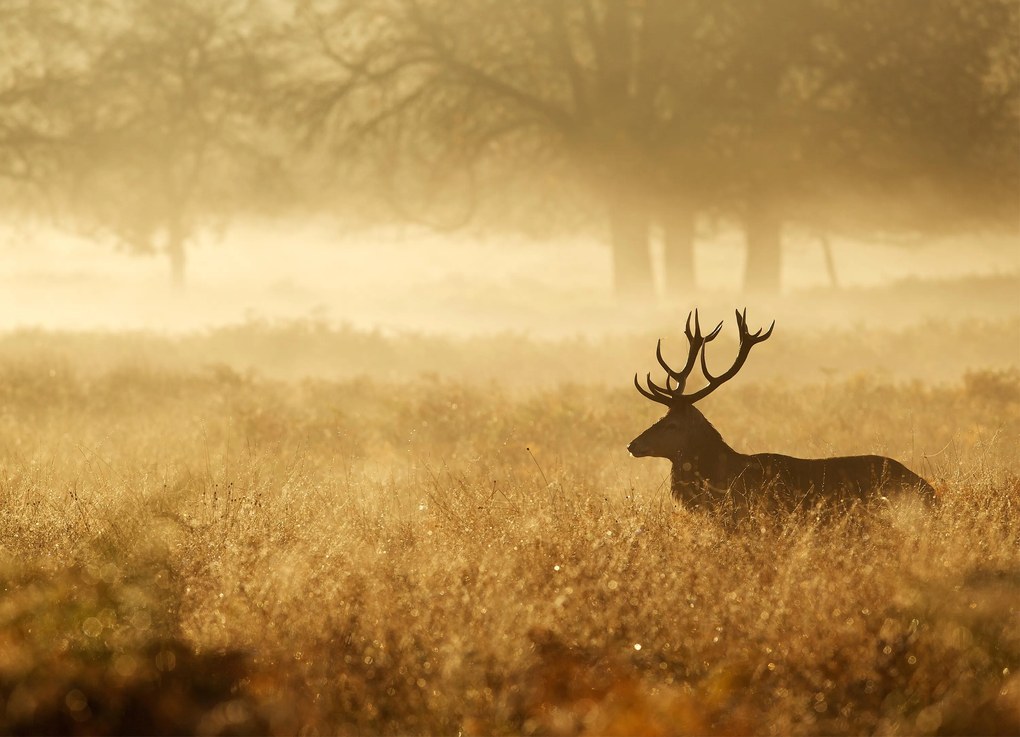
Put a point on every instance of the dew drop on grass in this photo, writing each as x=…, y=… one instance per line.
x=166, y=661
x=141, y=620
x=76, y=700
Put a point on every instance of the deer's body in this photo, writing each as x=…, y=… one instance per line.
x=709, y=473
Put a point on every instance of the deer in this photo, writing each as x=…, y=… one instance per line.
x=709, y=474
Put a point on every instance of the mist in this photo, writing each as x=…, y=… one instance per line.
x=409, y=279
x=554, y=169
x=564, y=367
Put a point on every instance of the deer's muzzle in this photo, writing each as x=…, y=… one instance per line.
x=638, y=448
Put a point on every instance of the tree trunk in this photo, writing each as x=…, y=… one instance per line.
x=678, y=251
x=764, y=249
x=830, y=263
x=632, y=259
x=176, y=253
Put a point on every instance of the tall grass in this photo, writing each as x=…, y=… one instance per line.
x=187, y=549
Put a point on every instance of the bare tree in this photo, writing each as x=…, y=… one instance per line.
x=649, y=113
x=170, y=142
x=866, y=116
x=448, y=95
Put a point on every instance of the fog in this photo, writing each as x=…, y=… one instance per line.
x=399, y=280
x=567, y=168
x=322, y=330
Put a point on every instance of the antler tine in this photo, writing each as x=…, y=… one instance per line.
x=661, y=360
x=747, y=341
x=704, y=369
x=697, y=329
x=696, y=342
x=704, y=365
x=696, y=335
x=664, y=391
x=745, y=333
x=654, y=394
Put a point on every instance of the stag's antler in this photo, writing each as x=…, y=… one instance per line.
x=697, y=343
x=671, y=396
x=747, y=341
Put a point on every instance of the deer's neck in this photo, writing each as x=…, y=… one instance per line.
x=706, y=458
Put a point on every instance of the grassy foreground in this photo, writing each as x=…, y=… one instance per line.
x=198, y=550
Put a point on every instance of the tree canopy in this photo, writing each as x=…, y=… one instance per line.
x=149, y=119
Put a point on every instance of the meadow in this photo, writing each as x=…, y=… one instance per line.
x=299, y=529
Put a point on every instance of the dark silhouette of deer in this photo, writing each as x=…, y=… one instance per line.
x=709, y=473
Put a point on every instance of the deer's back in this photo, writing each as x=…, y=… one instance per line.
x=846, y=478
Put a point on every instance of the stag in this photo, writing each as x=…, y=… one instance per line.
x=708, y=473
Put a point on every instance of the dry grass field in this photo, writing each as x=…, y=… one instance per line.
x=195, y=547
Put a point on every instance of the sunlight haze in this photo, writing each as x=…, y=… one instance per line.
x=510, y=367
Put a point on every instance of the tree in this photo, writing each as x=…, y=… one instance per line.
x=451, y=94
x=170, y=140
x=866, y=116
x=655, y=111
x=43, y=90
x=941, y=112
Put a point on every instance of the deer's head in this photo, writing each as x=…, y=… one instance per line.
x=683, y=429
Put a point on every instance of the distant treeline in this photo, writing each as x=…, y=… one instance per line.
x=150, y=121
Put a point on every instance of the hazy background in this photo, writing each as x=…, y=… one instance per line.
x=340, y=303
x=549, y=168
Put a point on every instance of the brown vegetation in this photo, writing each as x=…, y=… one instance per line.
x=188, y=549
x=923, y=350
